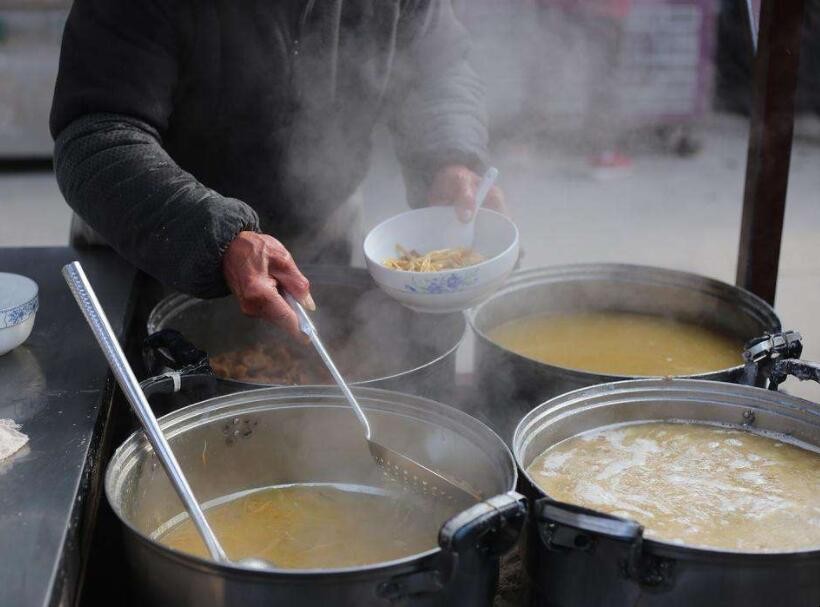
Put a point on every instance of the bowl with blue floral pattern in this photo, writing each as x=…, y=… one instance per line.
x=433, y=229
x=18, y=307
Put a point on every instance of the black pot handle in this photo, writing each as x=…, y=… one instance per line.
x=774, y=357
x=487, y=529
x=566, y=527
x=178, y=365
x=559, y=524
x=490, y=528
x=168, y=349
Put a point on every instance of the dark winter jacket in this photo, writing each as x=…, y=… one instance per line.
x=179, y=123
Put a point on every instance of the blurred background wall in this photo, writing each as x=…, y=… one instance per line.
x=665, y=83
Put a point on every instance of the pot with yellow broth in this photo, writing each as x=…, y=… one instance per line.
x=555, y=329
x=285, y=475
x=619, y=343
x=672, y=493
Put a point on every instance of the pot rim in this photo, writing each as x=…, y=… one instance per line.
x=179, y=301
x=622, y=391
x=622, y=273
x=184, y=418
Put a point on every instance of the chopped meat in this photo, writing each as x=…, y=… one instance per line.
x=271, y=364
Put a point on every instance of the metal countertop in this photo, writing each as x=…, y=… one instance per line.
x=58, y=388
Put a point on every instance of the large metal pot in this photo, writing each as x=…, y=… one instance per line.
x=288, y=435
x=387, y=345
x=512, y=383
x=581, y=558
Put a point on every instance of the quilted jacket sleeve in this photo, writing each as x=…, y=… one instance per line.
x=112, y=102
x=440, y=115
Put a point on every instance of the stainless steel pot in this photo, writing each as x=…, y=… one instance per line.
x=581, y=558
x=513, y=383
x=376, y=342
x=276, y=436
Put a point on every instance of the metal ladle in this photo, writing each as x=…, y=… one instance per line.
x=95, y=316
x=398, y=467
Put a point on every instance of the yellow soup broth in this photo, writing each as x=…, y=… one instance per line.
x=314, y=526
x=615, y=343
x=692, y=484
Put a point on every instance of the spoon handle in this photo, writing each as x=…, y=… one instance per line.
x=484, y=188
x=307, y=327
x=95, y=316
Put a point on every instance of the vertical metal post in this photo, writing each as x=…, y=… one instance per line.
x=770, y=142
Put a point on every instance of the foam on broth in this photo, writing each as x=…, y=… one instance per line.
x=693, y=484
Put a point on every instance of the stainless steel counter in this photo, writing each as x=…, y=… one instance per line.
x=56, y=385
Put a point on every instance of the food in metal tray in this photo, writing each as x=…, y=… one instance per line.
x=619, y=343
x=434, y=261
x=693, y=484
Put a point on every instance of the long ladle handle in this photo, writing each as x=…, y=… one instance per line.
x=307, y=327
x=94, y=315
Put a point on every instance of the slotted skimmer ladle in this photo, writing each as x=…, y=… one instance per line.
x=95, y=316
x=396, y=466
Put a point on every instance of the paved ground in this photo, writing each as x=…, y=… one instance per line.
x=681, y=213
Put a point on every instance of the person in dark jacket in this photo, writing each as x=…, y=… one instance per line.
x=204, y=140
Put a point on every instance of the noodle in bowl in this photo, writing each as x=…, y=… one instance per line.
x=425, y=231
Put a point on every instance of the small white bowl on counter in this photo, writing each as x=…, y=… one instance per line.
x=18, y=307
x=432, y=228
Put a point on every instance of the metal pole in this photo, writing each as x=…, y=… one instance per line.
x=750, y=17
x=770, y=142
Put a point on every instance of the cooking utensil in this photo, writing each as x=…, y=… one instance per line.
x=422, y=362
x=582, y=288
x=396, y=466
x=623, y=563
x=462, y=234
x=95, y=316
x=307, y=435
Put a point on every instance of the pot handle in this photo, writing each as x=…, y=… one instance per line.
x=180, y=366
x=565, y=528
x=169, y=349
x=487, y=529
x=491, y=527
x=775, y=357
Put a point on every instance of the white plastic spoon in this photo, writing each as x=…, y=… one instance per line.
x=462, y=234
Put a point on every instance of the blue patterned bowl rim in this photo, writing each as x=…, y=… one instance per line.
x=11, y=317
x=20, y=296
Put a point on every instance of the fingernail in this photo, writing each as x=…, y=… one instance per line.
x=309, y=303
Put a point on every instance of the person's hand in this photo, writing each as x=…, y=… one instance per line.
x=256, y=266
x=457, y=185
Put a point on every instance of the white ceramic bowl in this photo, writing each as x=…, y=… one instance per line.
x=496, y=238
x=18, y=306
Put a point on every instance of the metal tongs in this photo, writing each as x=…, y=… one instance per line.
x=396, y=466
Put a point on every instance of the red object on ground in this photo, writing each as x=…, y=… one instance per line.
x=611, y=160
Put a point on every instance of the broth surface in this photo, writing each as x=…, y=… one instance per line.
x=314, y=527
x=619, y=343
x=691, y=483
